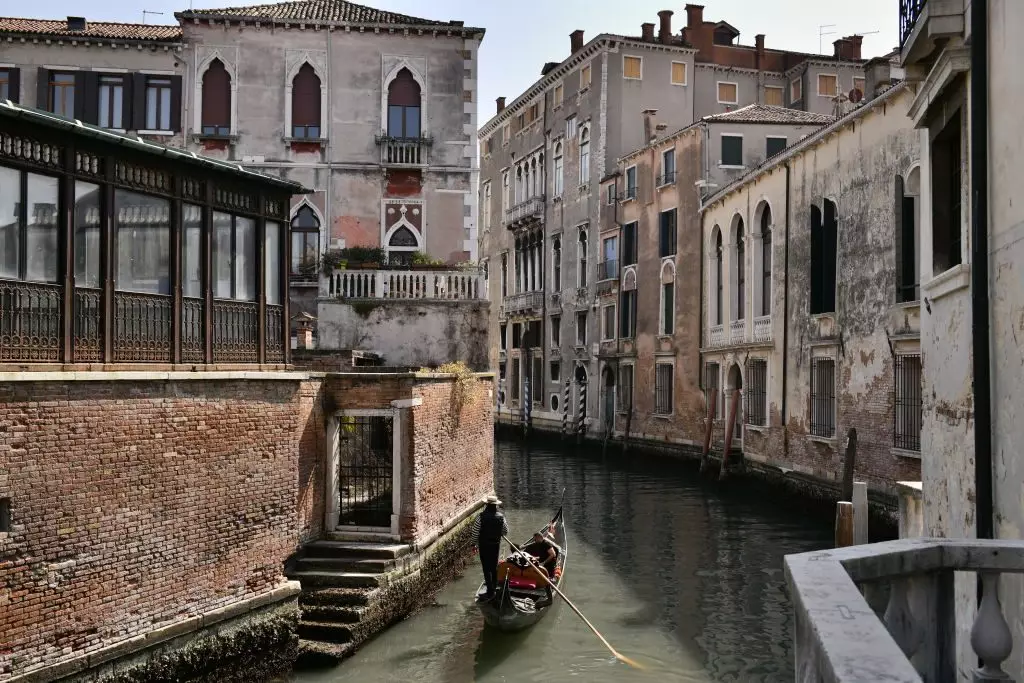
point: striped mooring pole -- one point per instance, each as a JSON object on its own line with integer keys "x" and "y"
{"x": 581, "y": 416}
{"x": 566, "y": 397}
{"x": 526, "y": 405}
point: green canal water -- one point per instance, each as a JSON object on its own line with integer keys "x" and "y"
{"x": 680, "y": 574}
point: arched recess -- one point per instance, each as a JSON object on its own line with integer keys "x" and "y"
{"x": 762, "y": 258}
{"x": 401, "y": 241}
{"x": 420, "y": 80}
{"x": 733, "y": 384}
{"x": 308, "y": 63}
{"x": 667, "y": 308}
{"x": 306, "y": 227}
{"x": 907, "y": 207}
{"x": 716, "y": 277}
{"x": 608, "y": 397}
{"x": 197, "y": 95}
{"x": 628, "y": 304}
{"x": 738, "y": 276}
{"x": 824, "y": 247}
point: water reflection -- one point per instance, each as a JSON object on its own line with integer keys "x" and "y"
{"x": 679, "y": 574}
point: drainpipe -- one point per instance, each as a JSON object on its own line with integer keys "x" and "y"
{"x": 700, "y": 356}
{"x": 785, "y": 321}
{"x": 979, "y": 270}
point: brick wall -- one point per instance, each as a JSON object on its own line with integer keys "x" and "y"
{"x": 310, "y": 426}
{"x": 136, "y": 504}
{"x": 453, "y": 451}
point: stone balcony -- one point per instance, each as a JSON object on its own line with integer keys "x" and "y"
{"x": 523, "y": 303}
{"x": 446, "y": 285}
{"x": 525, "y": 212}
{"x": 404, "y": 152}
{"x": 925, "y": 24}
{"x": 911, "y": 636}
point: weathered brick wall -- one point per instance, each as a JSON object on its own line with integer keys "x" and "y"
{"x": 310, "y": 426}
{"x": 452, "y": 451}
{"x": 135, "y": 504}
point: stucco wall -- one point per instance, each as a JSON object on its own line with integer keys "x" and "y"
{"x": 408, "y": 333}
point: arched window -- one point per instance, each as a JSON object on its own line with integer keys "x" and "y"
{"x": 306, "y": 103}
{"x": 504, "y": 194}
{"x": 584, "y": 156}
{"x": 533, "y": 179}
{"x": 519, "y": 185}
{"x": 823, "y": 258}
{"x": 305, "y": 243}
{"x": 627, "y": 305}
{"x": 907, "y": 243}
{"x": 581, "y": 247}
{"x": 766, "y": 261}
{"x": 668, "y": 298}
{"x": 718, "y": 276}
{"x": 404, "y": 106}
{"x": 558, "y": 180}
{"x": 401, "y": 246}
{"x": 216, "y": 112}
{"x": 504, "y": 275}
{"x": 741, "y": 271}
{"x": 556, "y": 264}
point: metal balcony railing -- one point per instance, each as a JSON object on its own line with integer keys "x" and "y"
{"x": 666, "y": 178}
{"x": 910, "y": 11}
{"x": 608, "y": 270}
{"x": 848, "y": 632}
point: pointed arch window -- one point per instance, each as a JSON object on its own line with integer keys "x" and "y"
{"x": 718, "y": 277}
{"x": 741, "y": 272}
{"x": 305, "y": 243}
{"x": 823, "y": 258}
{"x": 558, "y": 179}
{"x": 668, "y": 299}
{"x": 556, "y": 264}
{"x": 401, "y": 246}
{"x": 766, "y": 261}
{"x": 216, "y": 111}
{"x": 306, "y": 103}
{"x": 581, "y": 246}
{"x": 404, "y": 107}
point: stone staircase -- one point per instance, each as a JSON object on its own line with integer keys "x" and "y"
{"x": 341, "y": 581}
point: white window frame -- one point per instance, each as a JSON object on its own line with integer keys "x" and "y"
{"x": 604, "y": 319}
{"x": 559, "y": 89}
{"x": 782, "y": 92}
{"x": 609, "y": 194}
{"x": 558, "y": 170}
{"x": 818, "y": 79}
{"x": 667, "y": 263}
{"x": 721, "y": 162}
{"x": 666, "y": 153}
{"x": 767, "y": 393}
{"x": 570, "y": 127}
{"x": 824, "y": 352}
{"x": 487, "y": 205}
{"x": 627, "y": 197}
{"x": 686, "y": 74}
{"x": 586, "y": 69}
{"x": 718, "y": 92}
{"x": 632, "y": 78}
{"x": 324, "y": 97}
{"x": 798, "y": 83}
{"x": 584, "y": 174}
{"x": 774, "y": 137}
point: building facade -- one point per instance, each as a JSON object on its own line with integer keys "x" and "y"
{"x": 547, "y": 156}
{"x": 375, "y": 111}
{"x": 812, "y": 322}
{"x": 648, "y": 286}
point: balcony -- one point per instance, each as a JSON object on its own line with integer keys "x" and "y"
{"x": 408, "y": 152}
{"x": 525, "y": 212}
{"x": 717, "y": 336}
{"x": 435, "y": 285}
{"x": 911, "y": 636}
{"x": 629, "y": 194}
{"x": 667, "y": 178}
{"x": 763, "y": 329}
{"x": 738, "y": 332}
{"x": 924, "y": 23}
{"x": 523, "y": 303}
{"x": 608, "y": 270}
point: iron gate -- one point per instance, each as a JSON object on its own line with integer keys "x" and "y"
{"x": 365, "y": 470}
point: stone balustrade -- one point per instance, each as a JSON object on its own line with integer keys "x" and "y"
{"x": 447, "y": 285}
{"x": 738, "y": 331}
{"x": 841, "y": 638}
{"x": 763, "y": 329}
{"x": 717, "y": 336}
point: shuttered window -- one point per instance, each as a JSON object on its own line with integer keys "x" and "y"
{"x": 631, "y": 67}
{"x": 773, "y": 96}
{"x": 727, "y": 93}
{"x": 678, "y": 73}
{"x": 216, "y": 114}
{"x": 10, "y": 81}
{"x": 306, "y": 103}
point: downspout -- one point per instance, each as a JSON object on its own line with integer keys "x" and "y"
{"x": 979, "y": 270}
{"x": 327, "y": 148}
{"x": 785, "y": 321}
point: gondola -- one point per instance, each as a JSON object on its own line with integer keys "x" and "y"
{"x": 521, "y": 599}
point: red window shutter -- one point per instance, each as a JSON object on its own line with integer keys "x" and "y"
{"x": 216, "y": 95}
{"x": 306, "y": 97}
{"x": 404, "y": 90}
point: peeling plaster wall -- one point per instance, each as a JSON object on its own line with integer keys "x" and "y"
{"x": 415, "y": 334}
{"x": 854, "y": 166}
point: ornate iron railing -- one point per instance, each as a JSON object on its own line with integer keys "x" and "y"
{"x": 848, "y": 631}
{"x": 275, "y": 334}
{"x": 142, "y": 327}
{"x": 236, "y": 331}
{"x": 910, "y": 11}
{"x": 30, "y": 321}
{"x": 88, "y": 326}
{"x": 717, "y": 337}
{"x": 193, "y": 340}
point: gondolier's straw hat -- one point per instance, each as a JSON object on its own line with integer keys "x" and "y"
{"x": 493, "y": 500}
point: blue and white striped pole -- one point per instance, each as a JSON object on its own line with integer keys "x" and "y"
{"x": 527, "y": 404}
{"x": 581, "y": 416}
{"x": 566, "y": 397}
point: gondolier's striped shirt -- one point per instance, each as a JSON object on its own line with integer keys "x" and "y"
{"x": 476, "y": 528}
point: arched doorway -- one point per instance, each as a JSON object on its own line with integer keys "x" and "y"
{"x": 735, "y": 384}
{"x": 608, "y": 402}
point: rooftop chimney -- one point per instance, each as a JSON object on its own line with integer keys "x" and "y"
{"x": 694, "y": 16}
{"x": 576, "y": 40}
{"x": 76, "y": 23}
{"x": 665, "y": 32}
{"x": 759, "y": 43}
{"x": 648, "y": 124}
{"x": 647, "y": 32}
{"x": 501, "y": 104}
{"x": 847, "y": 47}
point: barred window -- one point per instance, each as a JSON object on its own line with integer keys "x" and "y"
{"x": 663, "y": 388}
{"x": 823, "y": 397}
{"x": 757, "y": 392}
{"x": 537, "y": 380}
{"x": 625, "y": 393}
{"x": 712, "y": 372}
{"x": 515, "y": 379}
{"x": 907, "y": 432}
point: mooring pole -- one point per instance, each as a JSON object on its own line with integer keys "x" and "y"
{"x": 581, "y": 417}
{"x": 734, "y": 406}
{"x": 566, "y": 398}
{"x": 526, "y": 406}
{"x": 712, "y": 413}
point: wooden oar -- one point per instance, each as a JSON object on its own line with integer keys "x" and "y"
{"x": 619, "y": 656}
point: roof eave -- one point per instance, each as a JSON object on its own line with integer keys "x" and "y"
{"x": 34, "y": 35}
{"x": 433, "y": 27}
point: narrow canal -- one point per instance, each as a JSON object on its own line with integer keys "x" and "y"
{"x": 682, "y": 575}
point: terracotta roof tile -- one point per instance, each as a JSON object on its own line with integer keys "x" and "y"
{"x": 93, "y": 29}
{"x": 314, "y": 11}
{"x": 765, "y": 113}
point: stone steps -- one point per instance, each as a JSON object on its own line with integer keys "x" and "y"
{"x": 337, "y": 597}
{"x": 345, "y": 564}
{"x": 338, "y": 579}
{"x": 383, "y": 551}
{"x": 339, "y": 614}
{"x": 314, "y": 653}
{"x": 325, "y": 631}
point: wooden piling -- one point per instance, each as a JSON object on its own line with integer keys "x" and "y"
{"x": 860, "y": 513}
{"x": 733, "y": 407}
{"x": 709, "y": 430}
{"x": 844, "y": 524}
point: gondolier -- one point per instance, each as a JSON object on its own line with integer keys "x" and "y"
{"x": 489, "y": 527}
